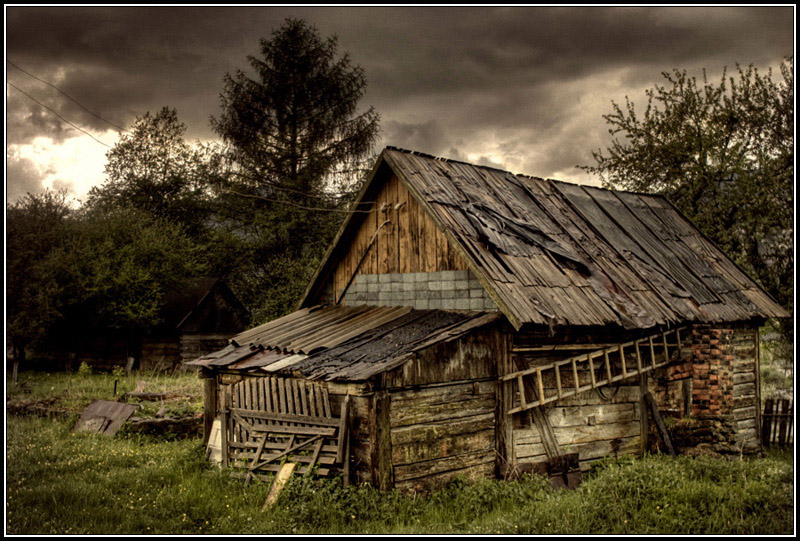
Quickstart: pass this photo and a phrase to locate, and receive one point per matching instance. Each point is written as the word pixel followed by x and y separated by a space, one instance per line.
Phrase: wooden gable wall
pixel 407 241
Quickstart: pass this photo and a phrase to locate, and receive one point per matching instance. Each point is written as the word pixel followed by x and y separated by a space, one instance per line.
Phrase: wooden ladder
pixel 614 366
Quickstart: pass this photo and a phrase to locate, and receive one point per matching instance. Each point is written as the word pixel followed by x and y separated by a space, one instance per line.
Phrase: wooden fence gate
pixel 268 420
pixel 777 422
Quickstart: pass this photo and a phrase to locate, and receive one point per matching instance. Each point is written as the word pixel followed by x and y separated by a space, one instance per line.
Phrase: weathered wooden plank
pixel 416 451
pixel 433 431
pixel 430 468
pixel 442 479
pixel 280 481
pixel 404 415
pixel 287 417
pixel 596 414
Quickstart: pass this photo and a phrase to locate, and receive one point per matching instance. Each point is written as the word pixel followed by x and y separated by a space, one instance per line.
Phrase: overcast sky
pixel 523 88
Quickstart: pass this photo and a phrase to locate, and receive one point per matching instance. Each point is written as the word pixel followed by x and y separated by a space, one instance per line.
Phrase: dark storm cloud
pixel 445 80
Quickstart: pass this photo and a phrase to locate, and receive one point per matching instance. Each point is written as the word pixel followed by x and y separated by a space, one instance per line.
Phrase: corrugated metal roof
pixel 341 342
pixel 312 329
pixel 556 253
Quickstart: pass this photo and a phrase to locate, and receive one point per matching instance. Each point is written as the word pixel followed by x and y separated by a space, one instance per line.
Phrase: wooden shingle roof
pixel 555 253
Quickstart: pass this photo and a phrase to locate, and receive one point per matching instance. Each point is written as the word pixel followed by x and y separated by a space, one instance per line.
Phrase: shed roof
pixel 184 304
pixel 555 253
pixel 341 342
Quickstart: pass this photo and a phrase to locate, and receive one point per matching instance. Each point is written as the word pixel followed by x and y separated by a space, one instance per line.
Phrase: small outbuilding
pixel 471 322
pixel 196 319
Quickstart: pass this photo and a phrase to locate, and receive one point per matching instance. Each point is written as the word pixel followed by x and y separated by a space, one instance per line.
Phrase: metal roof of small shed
pixel 347 343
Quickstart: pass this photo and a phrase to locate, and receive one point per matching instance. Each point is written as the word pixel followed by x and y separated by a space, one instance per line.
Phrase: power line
pixel 59 116
pixel 343 211
pixel 68 96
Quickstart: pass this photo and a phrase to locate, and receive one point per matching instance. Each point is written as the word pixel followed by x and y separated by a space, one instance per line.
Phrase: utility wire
pixel 59 116
pixel 300 206
pixel 68 96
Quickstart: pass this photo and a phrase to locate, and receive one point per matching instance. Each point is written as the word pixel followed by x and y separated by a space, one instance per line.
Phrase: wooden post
pixel 643 420
pixel 540 385
pixel 662 428
pixel 638 357
pixel 652 352
pixel 383 469
pixel 575 376
pixel 521 387
pixel 558 381
pixel 766 426
pixel 505 433
pixel 759 420
pixel 223 425
pixel 210 389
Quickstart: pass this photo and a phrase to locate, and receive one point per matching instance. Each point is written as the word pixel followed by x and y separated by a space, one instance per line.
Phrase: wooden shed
pixel 471 322
pixel 199 318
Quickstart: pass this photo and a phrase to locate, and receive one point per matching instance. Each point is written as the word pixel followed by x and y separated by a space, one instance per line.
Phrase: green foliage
pixel 294 136
pixel 725 155
pixel 34 229
pixel 114 267
pixel 296 126
pixel 155 170
pixel 84 370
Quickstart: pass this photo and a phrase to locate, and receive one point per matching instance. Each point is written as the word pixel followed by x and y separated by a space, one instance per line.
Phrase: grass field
pixel 59 482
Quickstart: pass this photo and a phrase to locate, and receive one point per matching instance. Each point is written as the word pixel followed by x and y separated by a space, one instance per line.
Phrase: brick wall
pixel 724 377
pixel 444 290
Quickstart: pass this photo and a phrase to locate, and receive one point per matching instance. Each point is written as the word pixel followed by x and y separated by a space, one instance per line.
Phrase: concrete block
pixel 372 287
pixel 421 276
pixel 448 304
pixel 477 293
pixel 448 294
pixel 435 285
pixel 461 274
pixel 447 276
pixel 396 286
pixel 409 286
pixel 476 304
pixel 435 304
pixel 461 304
pixel 421 304
pixel 369 278
pixel 461 294
pixel 408 278
pixel 461 284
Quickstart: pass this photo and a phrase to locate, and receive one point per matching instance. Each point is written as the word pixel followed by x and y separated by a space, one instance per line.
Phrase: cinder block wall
pixel 443 290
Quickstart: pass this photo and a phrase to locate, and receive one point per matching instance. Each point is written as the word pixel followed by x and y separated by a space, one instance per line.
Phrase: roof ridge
pixel 521 175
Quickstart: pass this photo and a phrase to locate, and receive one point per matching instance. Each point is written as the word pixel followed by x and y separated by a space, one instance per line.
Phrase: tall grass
pixel 73 391
pixel 64 483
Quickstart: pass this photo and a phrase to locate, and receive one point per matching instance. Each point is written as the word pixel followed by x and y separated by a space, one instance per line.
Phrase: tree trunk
pixel 19 355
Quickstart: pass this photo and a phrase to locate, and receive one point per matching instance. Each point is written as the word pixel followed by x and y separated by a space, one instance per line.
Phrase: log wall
pixel 589 424
pixel 441 414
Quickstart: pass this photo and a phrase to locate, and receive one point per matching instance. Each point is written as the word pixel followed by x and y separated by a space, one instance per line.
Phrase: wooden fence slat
pixel 777 422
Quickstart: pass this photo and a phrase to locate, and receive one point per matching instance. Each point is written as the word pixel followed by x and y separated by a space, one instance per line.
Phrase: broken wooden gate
pixel 266 421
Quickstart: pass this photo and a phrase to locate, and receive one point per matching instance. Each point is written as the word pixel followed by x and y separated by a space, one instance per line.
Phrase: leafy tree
pixel 155 170
pixel 724 154
pixel 35 227
pixel 114 268
pixel 294 134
